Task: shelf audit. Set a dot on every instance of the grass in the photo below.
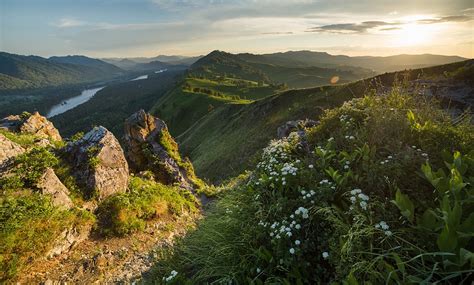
(29, 225)
(366, 203)
(144, 201)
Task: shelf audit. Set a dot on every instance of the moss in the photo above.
(25, 140)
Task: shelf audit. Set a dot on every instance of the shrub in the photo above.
(345, 203)
(28, 226)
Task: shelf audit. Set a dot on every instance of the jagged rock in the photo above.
(8, 150)
(34, 124)
(149, 146)
(292, 126)
(69, 238)
(99, 162)
(49, 184)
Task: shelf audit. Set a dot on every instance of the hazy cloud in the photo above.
(446, 19)
(351, 27)
(68, 23)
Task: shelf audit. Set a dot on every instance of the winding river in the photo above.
(73, 102)
(85, 96)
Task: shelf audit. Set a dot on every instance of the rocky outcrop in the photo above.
(99, 162)
(69, 238)
(149, 146)
(49, 184)
(8, 150)
(294, 126)
(34, 124)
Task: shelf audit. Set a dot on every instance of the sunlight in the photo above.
(413, 34)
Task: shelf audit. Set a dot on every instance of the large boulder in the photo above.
(49, 184)
(149, 146)
(34, 124)
(99, 162)
(8, 150)
(294, 126)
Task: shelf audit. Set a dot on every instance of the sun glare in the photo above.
(413, 34)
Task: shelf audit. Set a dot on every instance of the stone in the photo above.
(99, 163)
(8, 150)
(68, 239)
(149, 146)
(294, 126)
(49, 184)
(34, 124)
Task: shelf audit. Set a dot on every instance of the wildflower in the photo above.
(330, 139)
(289, 234)
(351, 137)
(424, 154)
(258, 270)
(292, 250)
(311, 166)
(297, 226)
(388, 233)
(297, 242)
(389, 157)
(325, 255)
(356, 191)
(363, 205)
(346, 166)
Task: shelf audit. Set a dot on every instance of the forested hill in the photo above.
(18, 72)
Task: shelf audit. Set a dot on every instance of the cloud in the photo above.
(362, 27)
(446, 19)
(69, 23)
(277, 33)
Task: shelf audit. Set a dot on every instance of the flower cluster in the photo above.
(172, 275)
(389, 158)
(424, 154)
(308, 195)
(326, 182)
(345, 119)
(383, 225)
(359, 198)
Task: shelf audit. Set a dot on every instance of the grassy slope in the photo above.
(223, 142)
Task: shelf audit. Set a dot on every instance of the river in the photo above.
(85, 96)
(73, 102)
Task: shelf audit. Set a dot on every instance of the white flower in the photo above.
(353, 199)
(292, 250)
(389, 157)
(310, 166)
(297, 242)
(325, 255)
(330, 139)
(346, 166)
(297, 226)
(283, 183)
(258, 270)
(363, 205)
(388, 233)
(292, 216)
(289, 234)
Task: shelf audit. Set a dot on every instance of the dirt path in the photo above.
(108, 261)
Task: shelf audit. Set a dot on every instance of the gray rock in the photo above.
(99, 162)
(69, 238)
(144, 138)
(294, 126)
(49, 184)
(8, 150)
(34, 124)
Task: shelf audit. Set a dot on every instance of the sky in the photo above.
(146, 28)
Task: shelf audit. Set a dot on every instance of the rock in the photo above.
(99, 163)
(149, 146)
(49, 184)
(69, 238)
(8, 150)
(292, 126)
(34, 124)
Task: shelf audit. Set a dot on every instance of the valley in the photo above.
(211, 168)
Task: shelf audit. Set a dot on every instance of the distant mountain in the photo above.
(271, 69)
(87, 61)
(379, 64)
(19, 72)
(136, 63)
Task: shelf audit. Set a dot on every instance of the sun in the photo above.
(412, 35)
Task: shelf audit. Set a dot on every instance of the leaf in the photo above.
(351, 280)
(447, 240)
(466, 256)
(405, 205)
(428, 220)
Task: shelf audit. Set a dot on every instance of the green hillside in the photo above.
(19, 72)
(224, 142)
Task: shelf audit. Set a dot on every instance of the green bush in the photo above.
(356, 199)
(145, 200)
(28, 226)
